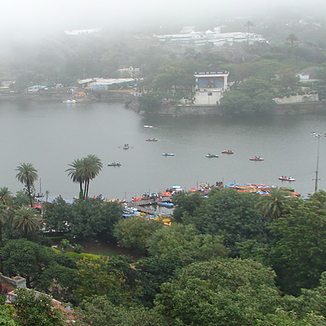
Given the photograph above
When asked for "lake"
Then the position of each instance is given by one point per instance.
(51, 135)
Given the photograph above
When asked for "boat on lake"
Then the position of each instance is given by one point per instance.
(151, 139)
(148, 126)
(167, 154)
(125, 146)
(114, 164)
(227, 151)
(285, 178)
(256, 158)
(211, 155)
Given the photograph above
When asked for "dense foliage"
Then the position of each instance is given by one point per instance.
(229, 257)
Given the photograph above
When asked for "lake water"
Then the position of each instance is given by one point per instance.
(51, 135)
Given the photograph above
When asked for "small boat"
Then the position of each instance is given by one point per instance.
(148, 126)
(114, 164)
(125, 146)
(151, 139)
(211, 155)
(70, 102)
(227, 151)
(285, 178)
(167, 154)
(256, 159)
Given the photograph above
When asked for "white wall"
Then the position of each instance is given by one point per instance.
(202, 98)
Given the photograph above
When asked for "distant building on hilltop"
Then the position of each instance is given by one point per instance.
(83, 31)
(129, 71)
(189, 35)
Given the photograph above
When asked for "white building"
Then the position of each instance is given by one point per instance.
(189, 35)
(210, 87)
(83, 31)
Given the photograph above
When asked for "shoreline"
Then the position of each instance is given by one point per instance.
(172, 110)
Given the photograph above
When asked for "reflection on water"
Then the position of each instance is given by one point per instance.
(52, 135)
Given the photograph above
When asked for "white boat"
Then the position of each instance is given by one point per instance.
(167, 154)
(148, 126)
(70, 102)
(285, 178)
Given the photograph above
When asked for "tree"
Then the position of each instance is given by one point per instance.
(75, 172)
(292, 38)
(28, 259)
(134, 232)
(94, 218)
(252, 96)
(27, 175)
(7, 315)
(58, 215)
(95, 277)
(300, 251)
(185, 242)
(287, 80)
(273, 205)
(100, 311)
(185, 204)
(26, 221)
(3, 219)
(232, 215)
(84, 170)
(231, 293)
(5, 196)
(92, 166)
(171, 76)
(170, 249)
(36, 309)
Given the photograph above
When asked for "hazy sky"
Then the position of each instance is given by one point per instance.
(45, 15)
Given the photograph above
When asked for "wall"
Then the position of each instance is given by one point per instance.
(297, 99)
(202, 98)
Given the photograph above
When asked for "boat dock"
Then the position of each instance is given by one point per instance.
(146, 205)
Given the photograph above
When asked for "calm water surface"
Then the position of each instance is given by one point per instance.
(52, 135)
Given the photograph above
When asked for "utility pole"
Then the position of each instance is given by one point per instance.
(318, 135)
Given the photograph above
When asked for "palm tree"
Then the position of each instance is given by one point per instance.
(3, 217)
(75, 172)
(26, 221)
(84, 170)
(248, 24)
(27, 175)
(292, 38)
(5, 196)
(273, 205)
(92, 167)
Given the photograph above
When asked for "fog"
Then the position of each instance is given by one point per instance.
(37, 17)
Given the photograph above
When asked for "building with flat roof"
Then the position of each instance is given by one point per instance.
(210, 87)
(216, 37)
